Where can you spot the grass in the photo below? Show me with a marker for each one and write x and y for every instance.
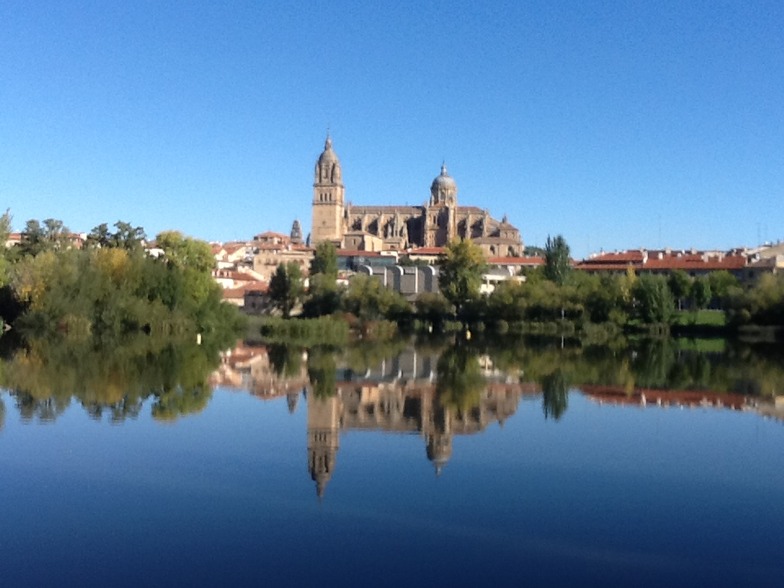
(327, 330)
(718, 345)
(702, 318)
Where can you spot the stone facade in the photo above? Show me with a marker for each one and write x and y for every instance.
(434, 224)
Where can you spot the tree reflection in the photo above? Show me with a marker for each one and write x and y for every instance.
(555, 395)
(322, 369)
(460, 381)
(111, 378)
(286, 360)
(721, 366)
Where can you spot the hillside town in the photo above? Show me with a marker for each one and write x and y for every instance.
(243, 269)
(401, 245)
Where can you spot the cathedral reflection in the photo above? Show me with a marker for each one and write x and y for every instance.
(441, 394)
(399, 395)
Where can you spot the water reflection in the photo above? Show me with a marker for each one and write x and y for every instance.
(555, 394)
(440, 392)
(109, 378)
(436, 391)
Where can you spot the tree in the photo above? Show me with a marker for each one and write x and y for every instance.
(324, 297)
(5, 226)
(722, 283)
(323, 294)
(5, 231)
(700, 293)
(184, 251)
(32, 241)
(367, 299)
(557, 264)
(679, 283)
(325, 261)
(99, 237)
(56, 233)
(37, 238)
(128, 237)
(285, 287)
(655, 303)
(460, 273)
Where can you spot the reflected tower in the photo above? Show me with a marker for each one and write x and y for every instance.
(323, 438)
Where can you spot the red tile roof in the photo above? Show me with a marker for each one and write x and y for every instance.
(616, 257)
(696, 262)
(663, 261)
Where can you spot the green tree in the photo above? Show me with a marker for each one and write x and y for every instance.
(324, 296)
(557, 263)
(32, 239)
(185, 252)
(367, 299)
(700, 293)
(99, 236)
(654, 301)
(56, 233)
(762, 304)
(285, 287)
(129, 237)
(5, 254)
(722, 284)
(460, 273)
(325, 261)
(679, 283)
(509, 301)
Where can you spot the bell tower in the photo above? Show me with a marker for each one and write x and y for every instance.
(328, 197)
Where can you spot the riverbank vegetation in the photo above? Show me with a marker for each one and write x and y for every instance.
(109, 323)
(551, 300)
(112, 287)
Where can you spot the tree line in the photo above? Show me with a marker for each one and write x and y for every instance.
(111, 286)
(553, 294)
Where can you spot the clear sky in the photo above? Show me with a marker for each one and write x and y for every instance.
(618, 124)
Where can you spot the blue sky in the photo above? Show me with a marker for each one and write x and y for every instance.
(616, 124)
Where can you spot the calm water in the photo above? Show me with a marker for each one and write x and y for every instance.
(417, 470)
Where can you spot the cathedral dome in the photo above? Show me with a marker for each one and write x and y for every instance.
(443, 190)
(443, 181)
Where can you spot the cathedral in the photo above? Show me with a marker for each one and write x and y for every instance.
(386, 228)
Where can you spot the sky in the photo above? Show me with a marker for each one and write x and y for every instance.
(617, 124)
